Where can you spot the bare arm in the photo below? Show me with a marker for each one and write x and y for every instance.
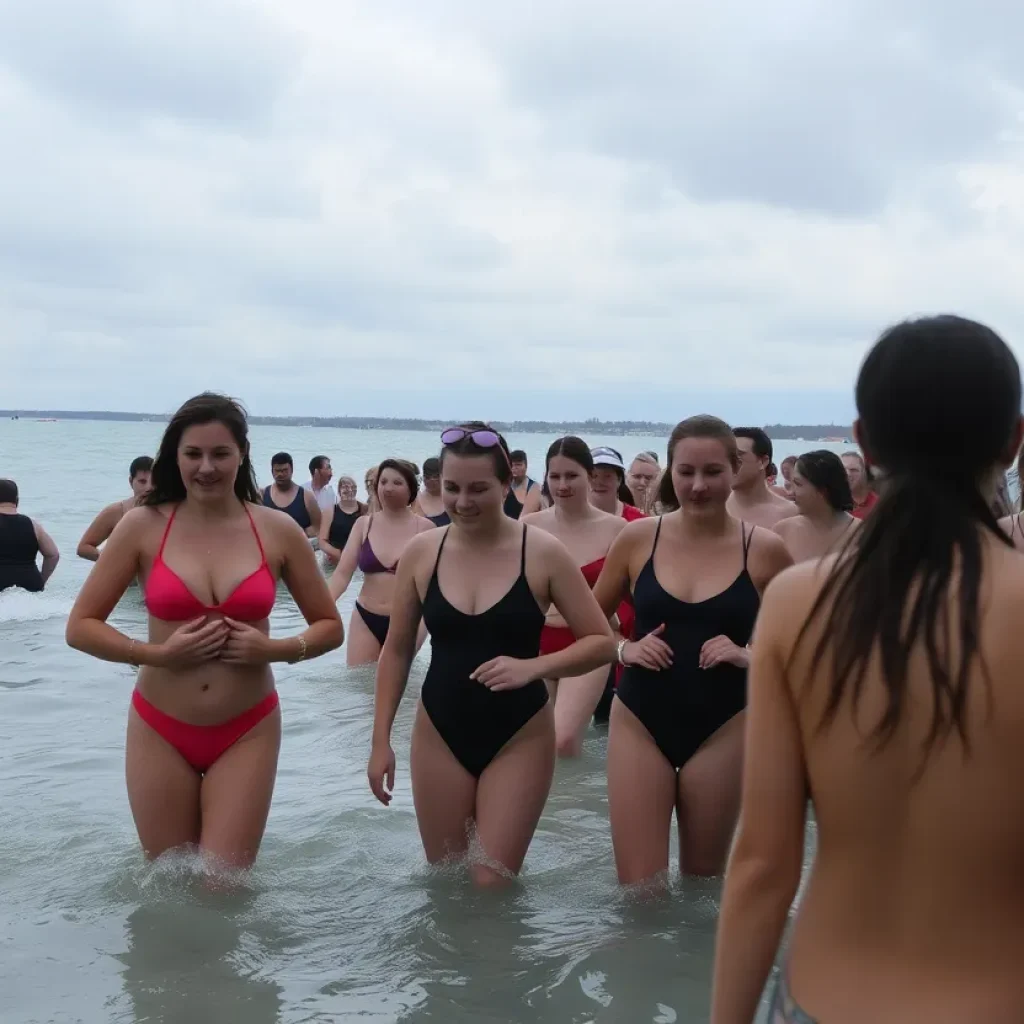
(399, 647)
(342, 576)
(532, 502)
(117, 566)
(99, 530)
(47, 548)
(332, 553)
(764, 868)
(314, 513)
(612, 585)
(307, 586)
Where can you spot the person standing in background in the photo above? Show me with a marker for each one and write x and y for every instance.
(861, 484)
(284, 495)
(319, 482)
(140, 480)
(21, 539)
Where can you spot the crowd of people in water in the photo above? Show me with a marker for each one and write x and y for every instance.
(839, 632)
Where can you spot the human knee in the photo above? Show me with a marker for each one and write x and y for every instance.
(568, 743)
(486, 877)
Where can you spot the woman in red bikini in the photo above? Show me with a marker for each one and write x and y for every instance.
(204, 728)
(588, 533)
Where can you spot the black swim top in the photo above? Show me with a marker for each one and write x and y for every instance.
(689, 625)
(459, 642)
(513, 506)
(296, 509)
(341, 525)
(18, 549)
(441, 519)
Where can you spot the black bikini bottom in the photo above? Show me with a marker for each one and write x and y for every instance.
(376, 624)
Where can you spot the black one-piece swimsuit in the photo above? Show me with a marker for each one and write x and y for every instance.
(474, 721)
(683, 705)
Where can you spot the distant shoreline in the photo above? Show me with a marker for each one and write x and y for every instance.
(618, 428)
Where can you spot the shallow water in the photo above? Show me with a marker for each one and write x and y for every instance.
(340, 920)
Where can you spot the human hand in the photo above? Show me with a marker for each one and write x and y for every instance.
(720, 650)
(505, 673)
(650, 651)
(193, 643)
(381, 772)
(245, 644)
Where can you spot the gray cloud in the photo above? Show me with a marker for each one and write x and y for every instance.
(292, 202)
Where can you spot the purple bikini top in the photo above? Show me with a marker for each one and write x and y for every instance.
(368, 560)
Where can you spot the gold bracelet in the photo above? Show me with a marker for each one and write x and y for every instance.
(302, 650)
(131, 653)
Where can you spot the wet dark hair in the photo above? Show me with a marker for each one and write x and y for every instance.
(517, 456)
(8, 492)
(771, 470)
(703, 426)
(209, 407)
(825, 471)
(403, 467)
(431, 467)
(467, 446)
(141, 464)
(317, 462)
(282, 459)
(570, 447)
(913, 570)
(762, 446)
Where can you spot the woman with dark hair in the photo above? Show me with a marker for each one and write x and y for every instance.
(608, 490)
(675, 739)
(392, 528)
(204, 728)
(430, 504)
(587, 534)
(885, 686)
(821, 492)
(483, 745)
(339, 519)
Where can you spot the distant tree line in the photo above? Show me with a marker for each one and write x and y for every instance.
(778, 431)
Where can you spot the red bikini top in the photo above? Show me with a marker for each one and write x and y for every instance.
(169, 599)
(591, 571)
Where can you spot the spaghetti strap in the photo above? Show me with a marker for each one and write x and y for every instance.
(747, 538)
(440, 547)
(522, 558)
(657, 534)
(1019, 527)
(167, 530)
(256, 533)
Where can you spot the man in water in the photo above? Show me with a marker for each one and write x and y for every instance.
(286, 496)
(141, 483)
(526, 489)
(21, 539)
(751, 499)
(319, 482)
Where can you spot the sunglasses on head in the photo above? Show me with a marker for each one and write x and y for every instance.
(481, 438)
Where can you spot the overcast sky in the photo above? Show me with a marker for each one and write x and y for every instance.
(440, 208)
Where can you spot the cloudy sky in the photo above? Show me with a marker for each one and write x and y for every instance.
(438, 207)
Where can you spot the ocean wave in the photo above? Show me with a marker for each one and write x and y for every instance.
(18, 605)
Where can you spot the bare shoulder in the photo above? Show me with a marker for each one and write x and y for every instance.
(274, 522)
(790, 595)
(539, 519)
(424, 525)
(425, 545)
(540, 538)
(142, 519)
(784, 527)
(767, 553)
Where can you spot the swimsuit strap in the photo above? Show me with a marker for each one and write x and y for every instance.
(657, 533)
(747, 538)
(167, 530)
(369, 526)
(440, 548)
(256, 534)
(1019, 527)
(522, 564)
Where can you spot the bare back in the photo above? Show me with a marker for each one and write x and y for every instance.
(915, 906)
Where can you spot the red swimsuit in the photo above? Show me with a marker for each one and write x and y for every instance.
(169, 599)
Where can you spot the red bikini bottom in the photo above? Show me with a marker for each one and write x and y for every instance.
(202, 745)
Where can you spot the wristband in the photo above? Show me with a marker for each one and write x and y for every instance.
(619, 649)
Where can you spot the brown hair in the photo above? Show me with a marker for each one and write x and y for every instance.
(703, 426)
